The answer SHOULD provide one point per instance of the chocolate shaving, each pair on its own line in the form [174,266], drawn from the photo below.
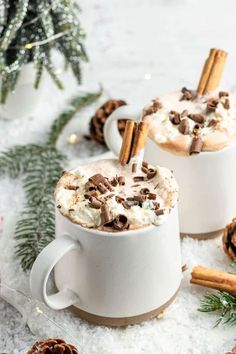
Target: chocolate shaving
[196,146]
[152,196]
[197,129]
[223,94]
[140,198]
[211,105]
[145,164]
[105,214]
[126,205]
[135,185]
[92,193]
[174,117]
[121,222]
[226,104]
[144,169]
[156,105]
[186,95]
[159,212]
[184,113]
[110,196]
[144,191]
[184,126]
[121,180]
[151,173]
[212,123]
[72,188]
[134,167]
[101,188]
[71,209]
[108,185]
[114,181]
[97,179]
[198,118]
[119,199]
[95,203]
[138,178]
[59,206]
[90,186]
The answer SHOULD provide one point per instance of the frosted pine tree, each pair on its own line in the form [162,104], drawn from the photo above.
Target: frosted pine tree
[29,30]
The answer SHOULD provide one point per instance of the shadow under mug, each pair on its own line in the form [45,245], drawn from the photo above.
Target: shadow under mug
[112,279]
[207,180]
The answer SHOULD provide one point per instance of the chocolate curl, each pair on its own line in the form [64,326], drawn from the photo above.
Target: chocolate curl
[95,203]
[196,146]
[121,180]
[105,214]
[184,126]
[198,118]
[159,212]
[121,222]
[151,173]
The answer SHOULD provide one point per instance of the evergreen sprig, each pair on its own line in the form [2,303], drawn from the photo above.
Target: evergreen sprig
[222,302]
[40,167]
[29,30]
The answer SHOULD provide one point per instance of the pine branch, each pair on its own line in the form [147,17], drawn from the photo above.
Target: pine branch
[223,303]
[15,23]
[17,160]
[37,226]
[76,104]
[40,167]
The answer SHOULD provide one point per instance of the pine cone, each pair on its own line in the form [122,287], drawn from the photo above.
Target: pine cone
[100,117]
[233,351]
[53,345]
[229,239]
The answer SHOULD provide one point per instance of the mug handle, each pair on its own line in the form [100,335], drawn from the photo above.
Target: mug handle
[111,133]
[42,268]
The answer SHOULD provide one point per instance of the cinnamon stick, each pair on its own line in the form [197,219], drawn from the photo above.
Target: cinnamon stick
[214,279]
[134,140]
[206,71]
[216,71]
[212,71]
[140,138]
[126,147]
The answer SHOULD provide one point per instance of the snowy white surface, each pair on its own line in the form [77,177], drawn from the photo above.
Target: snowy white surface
[138,50]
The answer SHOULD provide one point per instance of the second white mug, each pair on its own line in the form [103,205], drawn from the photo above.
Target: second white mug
[207,180]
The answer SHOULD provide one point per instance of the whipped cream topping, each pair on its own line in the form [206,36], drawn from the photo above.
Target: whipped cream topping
[70,195]
[217,132]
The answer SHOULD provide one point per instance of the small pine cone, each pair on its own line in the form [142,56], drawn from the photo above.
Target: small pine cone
[53,345]
[229,239]
[98,120]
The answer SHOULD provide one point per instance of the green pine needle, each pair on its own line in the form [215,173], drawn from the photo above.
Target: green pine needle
[223,303]
[40,167]
[30,30]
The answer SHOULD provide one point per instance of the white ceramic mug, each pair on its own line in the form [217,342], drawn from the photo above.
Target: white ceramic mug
[111,278]
[207,180]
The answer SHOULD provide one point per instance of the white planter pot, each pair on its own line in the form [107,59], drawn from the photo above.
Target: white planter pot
[24,100]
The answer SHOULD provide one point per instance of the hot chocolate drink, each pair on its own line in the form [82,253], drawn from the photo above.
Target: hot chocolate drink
[107,196]
[185,123]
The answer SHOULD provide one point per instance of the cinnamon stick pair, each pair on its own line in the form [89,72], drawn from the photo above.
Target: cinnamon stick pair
[212,71]
[214,279]
[134,140]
